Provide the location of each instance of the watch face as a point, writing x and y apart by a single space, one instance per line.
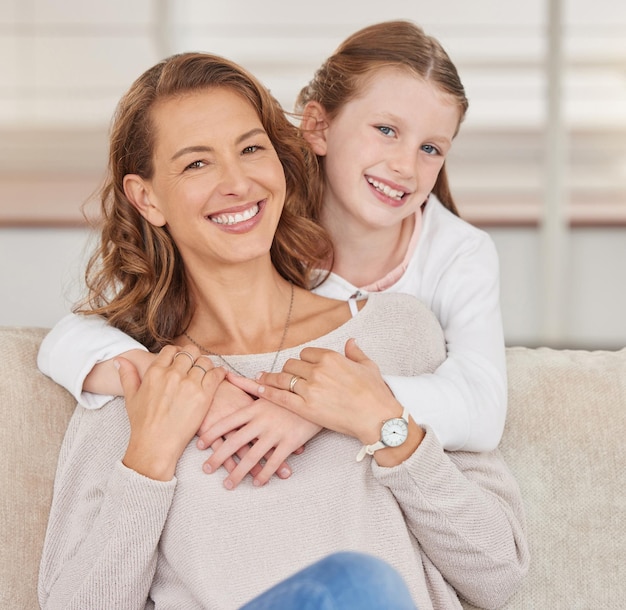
394 432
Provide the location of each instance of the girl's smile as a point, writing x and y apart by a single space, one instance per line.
385 192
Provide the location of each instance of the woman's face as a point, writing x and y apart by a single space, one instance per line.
218 183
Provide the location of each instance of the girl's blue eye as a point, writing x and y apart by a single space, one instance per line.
386 130
429 149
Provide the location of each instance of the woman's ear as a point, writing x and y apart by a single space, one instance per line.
313 126
137 191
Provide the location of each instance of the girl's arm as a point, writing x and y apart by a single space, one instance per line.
77 344
464 400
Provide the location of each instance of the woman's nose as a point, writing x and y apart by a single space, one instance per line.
233 179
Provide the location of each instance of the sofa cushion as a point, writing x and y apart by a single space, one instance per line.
565 442
34 412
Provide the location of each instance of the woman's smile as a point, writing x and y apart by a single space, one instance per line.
237 218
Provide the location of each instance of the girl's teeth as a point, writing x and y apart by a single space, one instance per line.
387 190
231 219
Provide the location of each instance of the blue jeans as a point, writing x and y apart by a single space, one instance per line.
342 581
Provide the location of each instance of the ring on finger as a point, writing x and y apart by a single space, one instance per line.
190 356
292 383
197 366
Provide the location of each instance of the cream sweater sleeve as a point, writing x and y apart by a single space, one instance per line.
466 511
105 521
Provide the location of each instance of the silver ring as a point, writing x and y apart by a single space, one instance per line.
292 383
186 354
197 366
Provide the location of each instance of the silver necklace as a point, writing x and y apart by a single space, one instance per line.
280 347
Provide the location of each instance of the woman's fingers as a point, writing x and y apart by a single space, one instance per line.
275 388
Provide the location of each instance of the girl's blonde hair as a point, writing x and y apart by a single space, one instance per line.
136 278
389 44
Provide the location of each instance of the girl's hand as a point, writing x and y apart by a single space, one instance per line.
344 394
227 400
274 432
166 409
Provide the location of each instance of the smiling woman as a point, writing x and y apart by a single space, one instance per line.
196 139
192 155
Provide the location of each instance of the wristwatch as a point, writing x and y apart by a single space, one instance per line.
393 433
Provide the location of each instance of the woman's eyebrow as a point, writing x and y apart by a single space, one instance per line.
204 149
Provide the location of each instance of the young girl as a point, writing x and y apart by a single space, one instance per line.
381 115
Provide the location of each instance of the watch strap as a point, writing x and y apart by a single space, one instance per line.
369 450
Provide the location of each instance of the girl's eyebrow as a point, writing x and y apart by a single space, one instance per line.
208 149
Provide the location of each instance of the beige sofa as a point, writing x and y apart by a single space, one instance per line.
564 441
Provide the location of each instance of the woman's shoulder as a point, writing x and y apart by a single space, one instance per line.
396 304
396 314
400 333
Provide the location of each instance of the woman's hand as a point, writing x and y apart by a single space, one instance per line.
227 400
166 409
344 394
274 432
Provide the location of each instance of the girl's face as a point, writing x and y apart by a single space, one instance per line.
218 183
384 149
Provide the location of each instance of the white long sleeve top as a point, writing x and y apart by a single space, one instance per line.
451 523
453 269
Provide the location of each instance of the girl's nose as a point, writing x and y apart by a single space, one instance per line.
404 162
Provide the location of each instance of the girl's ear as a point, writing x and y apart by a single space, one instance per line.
138 192
313 126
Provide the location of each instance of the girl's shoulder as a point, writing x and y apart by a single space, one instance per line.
445 237
439 218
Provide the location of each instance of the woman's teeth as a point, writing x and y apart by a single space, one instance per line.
387 190
231 219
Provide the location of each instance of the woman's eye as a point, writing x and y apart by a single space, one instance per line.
386 130
195 165
250 149
429 149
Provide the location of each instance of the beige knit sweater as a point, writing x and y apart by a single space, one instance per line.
447 521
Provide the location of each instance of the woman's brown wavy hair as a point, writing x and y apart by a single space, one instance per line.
136 277
388 44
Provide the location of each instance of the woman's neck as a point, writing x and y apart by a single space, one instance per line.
241 311
363 255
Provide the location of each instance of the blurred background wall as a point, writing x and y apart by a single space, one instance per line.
540 161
